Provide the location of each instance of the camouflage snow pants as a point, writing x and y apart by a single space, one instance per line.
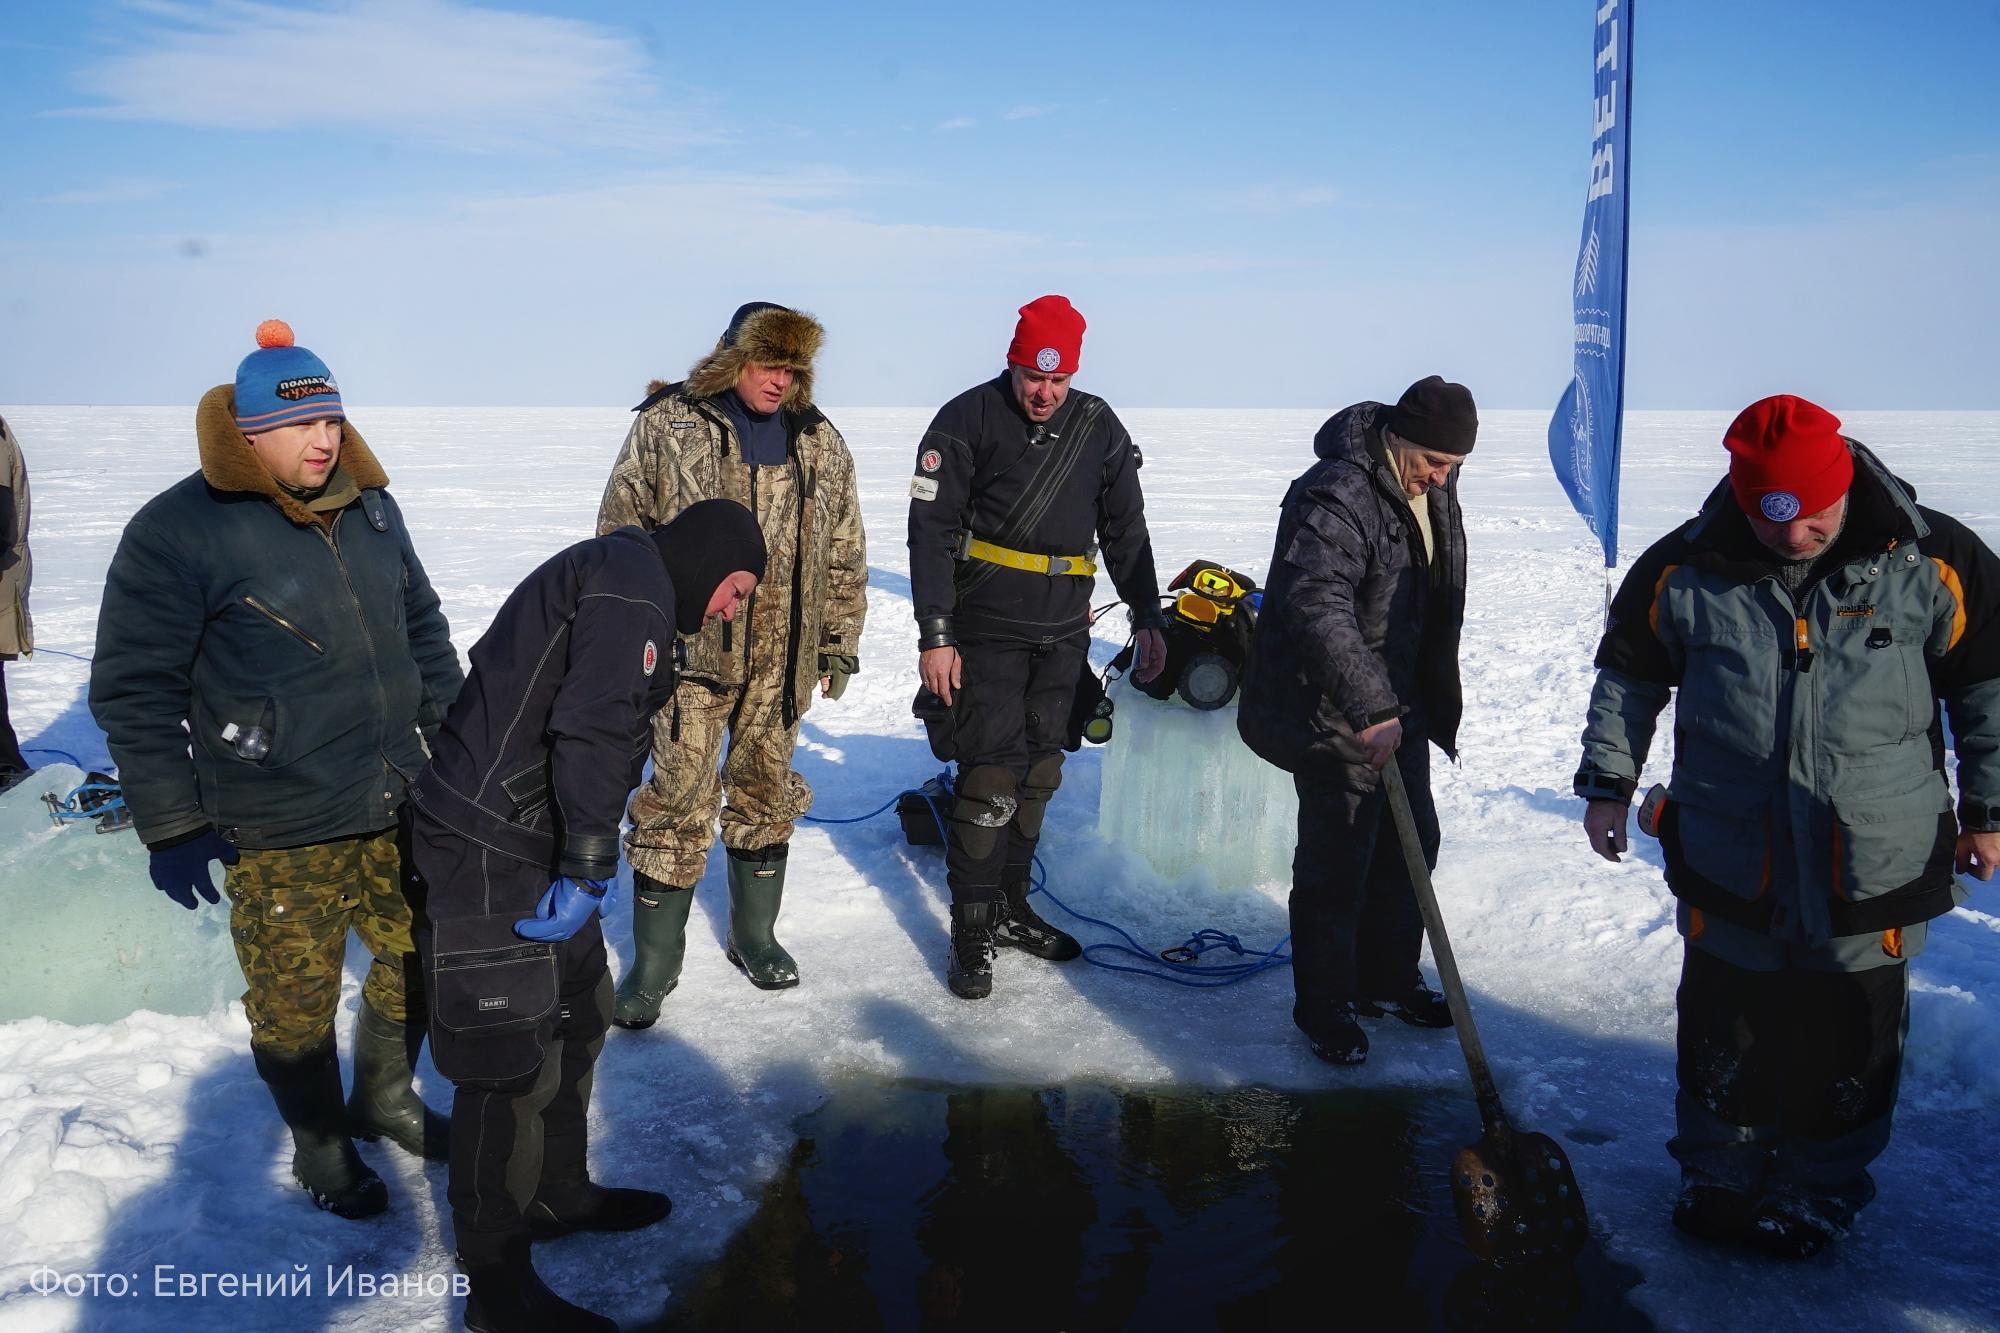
673 815
289 914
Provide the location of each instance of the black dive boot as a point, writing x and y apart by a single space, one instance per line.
756 888
659 943
307 1091
1020 927
972 927
510 1297
593 1207
383 1104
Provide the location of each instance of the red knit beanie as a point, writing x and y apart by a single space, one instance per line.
1049 337
1786 458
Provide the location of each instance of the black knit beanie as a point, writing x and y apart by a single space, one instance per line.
706 543
1436 414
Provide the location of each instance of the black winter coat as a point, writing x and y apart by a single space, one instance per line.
1353 629
228 606
974 464
552 729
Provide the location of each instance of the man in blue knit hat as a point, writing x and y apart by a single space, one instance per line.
270 659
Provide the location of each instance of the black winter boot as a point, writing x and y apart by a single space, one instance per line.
1021 928
1715 1213
659 943
1419 1006
594 1208
383 1104
307 1091
510 1297
1334 1035
756 888
972 927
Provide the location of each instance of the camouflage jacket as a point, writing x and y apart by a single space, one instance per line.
814 595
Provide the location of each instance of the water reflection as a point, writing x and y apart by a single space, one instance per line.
925 1206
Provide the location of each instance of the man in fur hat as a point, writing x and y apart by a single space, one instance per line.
743 427
268 651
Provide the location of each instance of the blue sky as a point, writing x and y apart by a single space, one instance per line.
1260 205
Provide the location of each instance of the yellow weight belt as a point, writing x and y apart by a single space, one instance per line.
978 549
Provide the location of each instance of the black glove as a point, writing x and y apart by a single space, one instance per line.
836 669
180 866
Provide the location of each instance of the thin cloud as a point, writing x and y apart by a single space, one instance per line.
118 190
436 71
1026 112
956 123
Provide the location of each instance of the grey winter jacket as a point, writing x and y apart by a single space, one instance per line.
1808 791
1358 624
230 606
17 629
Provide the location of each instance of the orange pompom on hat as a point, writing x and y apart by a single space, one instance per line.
1049 336
1787 458
282 384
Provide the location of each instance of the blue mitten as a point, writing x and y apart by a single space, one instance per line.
180 866
566 907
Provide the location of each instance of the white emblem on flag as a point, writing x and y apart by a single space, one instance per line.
1047 360
1779 506
650 658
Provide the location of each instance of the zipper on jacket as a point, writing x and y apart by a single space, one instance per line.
367 642
1804 645
283 624
749 603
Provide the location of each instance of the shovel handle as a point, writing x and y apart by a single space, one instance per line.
1490 1110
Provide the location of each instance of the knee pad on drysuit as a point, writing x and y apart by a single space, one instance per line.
1044 776
986 804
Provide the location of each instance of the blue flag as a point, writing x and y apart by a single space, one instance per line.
1584 435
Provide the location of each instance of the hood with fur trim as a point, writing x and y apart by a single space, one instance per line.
773 337
228 463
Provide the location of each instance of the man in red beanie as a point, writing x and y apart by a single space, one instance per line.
1020 483
1811 618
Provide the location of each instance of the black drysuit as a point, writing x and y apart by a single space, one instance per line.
1065 487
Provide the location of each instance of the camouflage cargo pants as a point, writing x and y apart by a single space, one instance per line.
673 815
290 912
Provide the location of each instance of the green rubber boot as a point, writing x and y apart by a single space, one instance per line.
659 942
756 888
383 1104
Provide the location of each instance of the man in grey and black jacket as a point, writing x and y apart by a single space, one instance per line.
1355 661
1806 623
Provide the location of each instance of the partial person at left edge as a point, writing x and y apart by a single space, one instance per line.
17 631
270 659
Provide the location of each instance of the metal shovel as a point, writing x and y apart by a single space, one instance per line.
1516 1194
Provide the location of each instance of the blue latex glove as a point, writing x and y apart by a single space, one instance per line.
567 907
180 868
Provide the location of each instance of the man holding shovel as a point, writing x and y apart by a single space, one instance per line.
1355 661
1810 618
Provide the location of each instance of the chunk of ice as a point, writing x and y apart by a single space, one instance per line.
89 938
1182 790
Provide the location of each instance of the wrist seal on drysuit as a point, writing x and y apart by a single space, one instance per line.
935 632
1593 785
588 856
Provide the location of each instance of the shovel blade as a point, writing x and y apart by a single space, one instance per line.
1518 1199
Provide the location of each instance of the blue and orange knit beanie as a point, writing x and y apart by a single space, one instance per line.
281 384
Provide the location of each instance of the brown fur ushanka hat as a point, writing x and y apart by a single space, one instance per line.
770 335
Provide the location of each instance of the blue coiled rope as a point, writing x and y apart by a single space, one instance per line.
1181 963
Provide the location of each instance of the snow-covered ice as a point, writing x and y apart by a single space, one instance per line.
147 1141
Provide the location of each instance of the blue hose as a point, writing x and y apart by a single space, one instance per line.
1182 964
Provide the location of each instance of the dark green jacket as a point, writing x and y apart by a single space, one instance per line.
1809 794
230 606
